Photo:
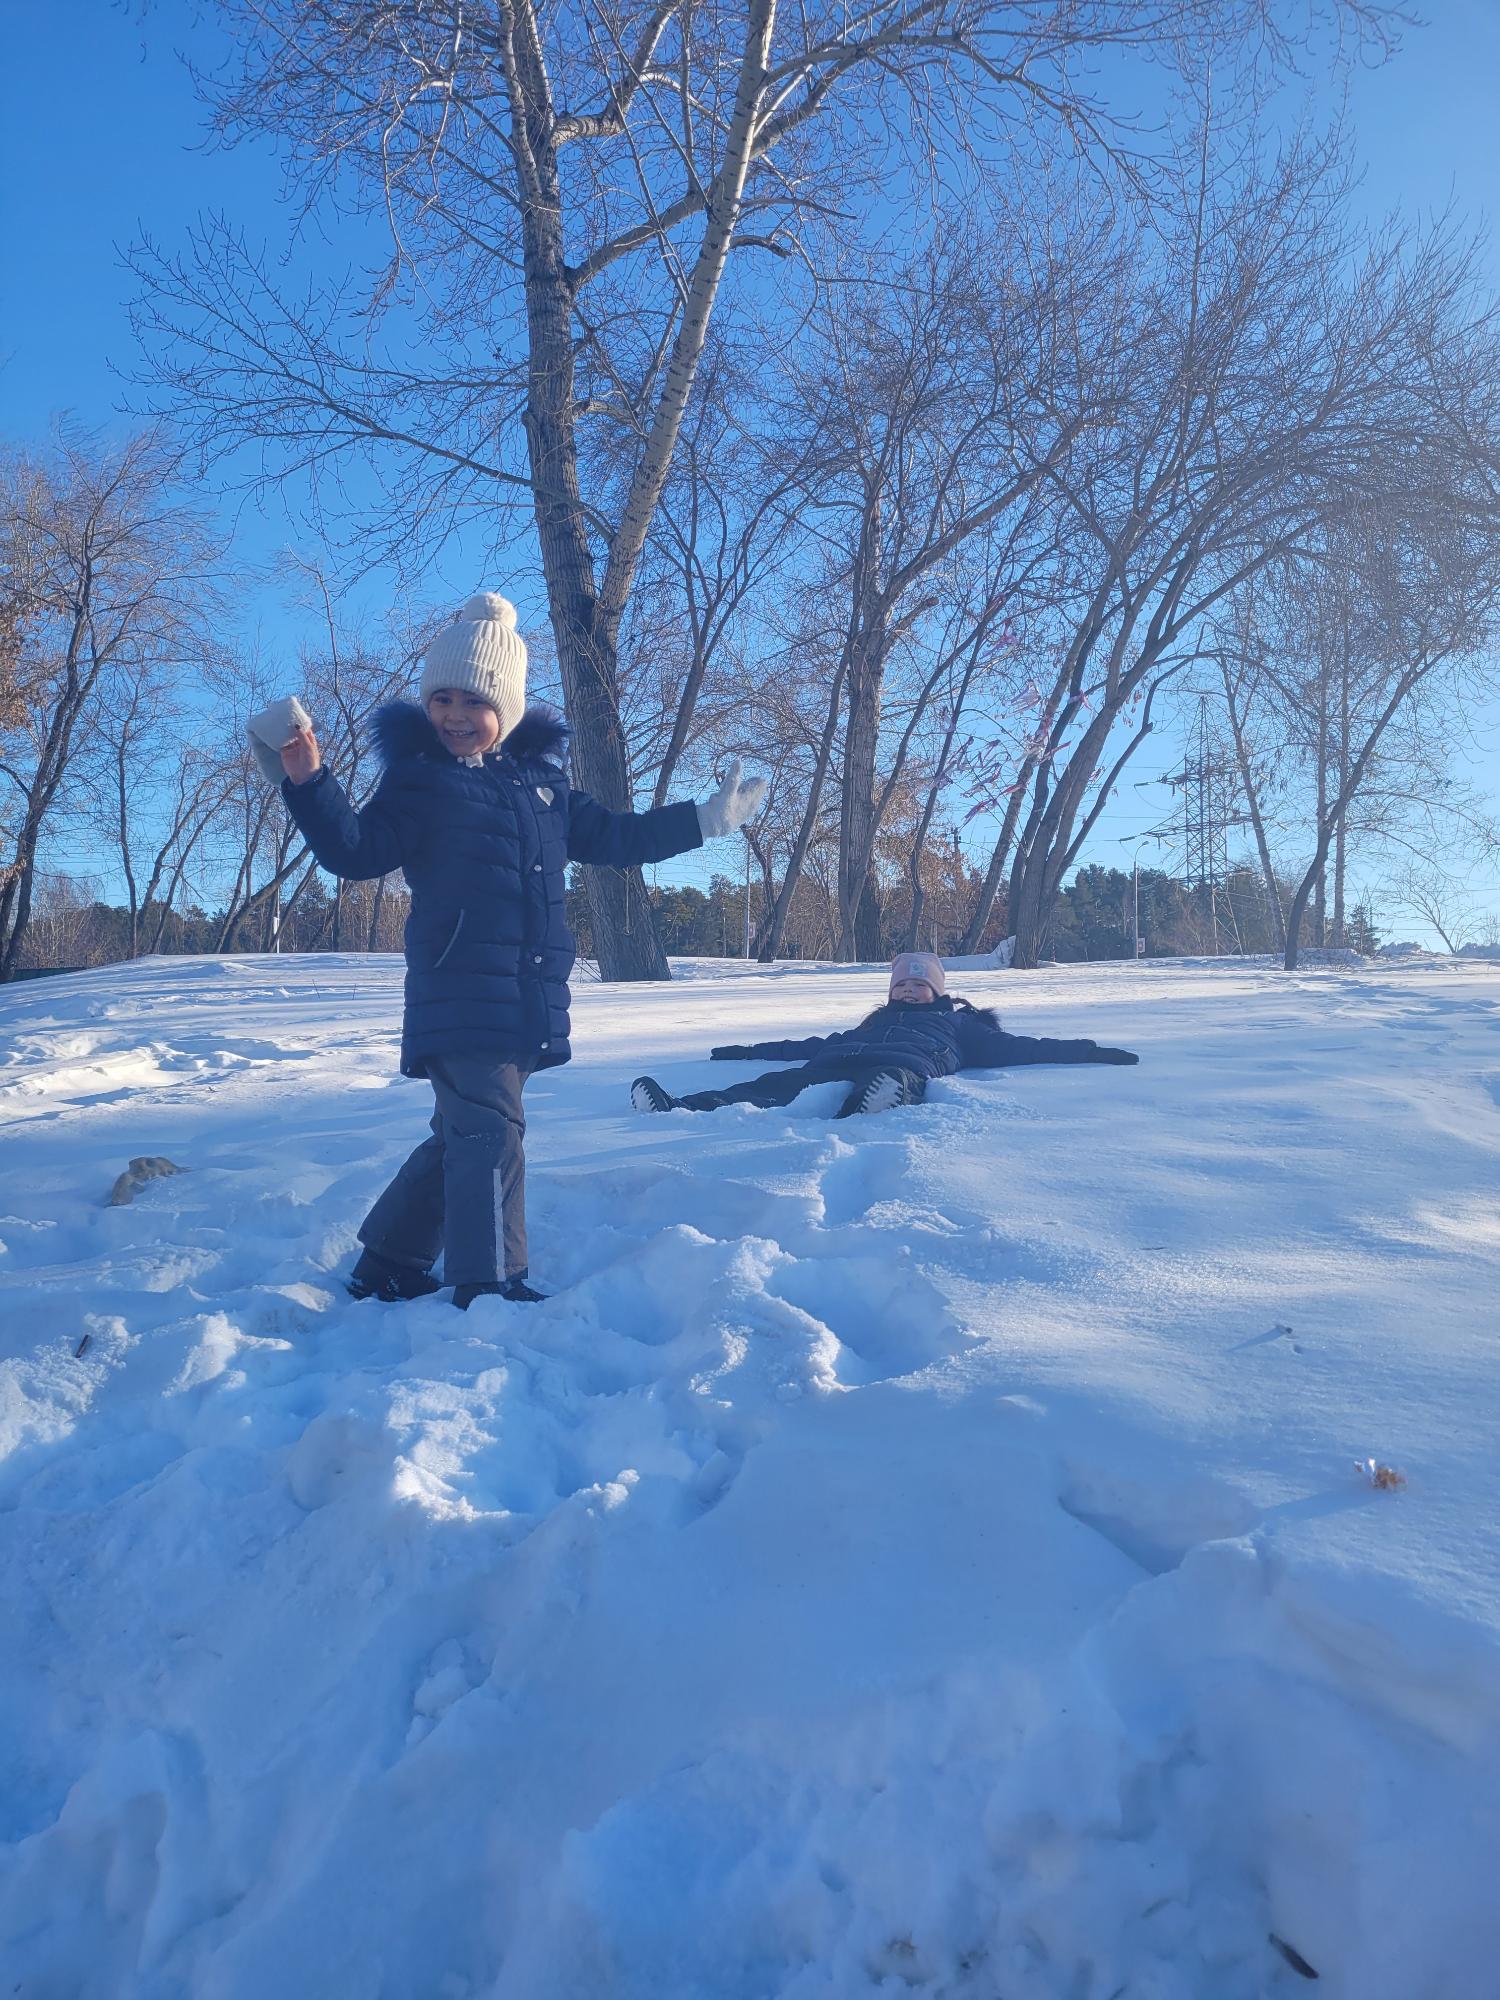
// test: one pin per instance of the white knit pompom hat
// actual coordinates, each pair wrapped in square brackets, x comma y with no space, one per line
[481,653]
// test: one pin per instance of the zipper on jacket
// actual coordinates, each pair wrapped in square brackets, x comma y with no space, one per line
[451,942]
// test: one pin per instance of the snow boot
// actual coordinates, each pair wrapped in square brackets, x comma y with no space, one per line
[515,1289]
[882,1090]
[377,1277]
[646,1094]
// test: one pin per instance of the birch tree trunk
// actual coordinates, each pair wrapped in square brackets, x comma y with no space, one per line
[770,942]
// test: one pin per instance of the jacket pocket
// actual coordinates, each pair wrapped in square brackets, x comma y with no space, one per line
[453,940]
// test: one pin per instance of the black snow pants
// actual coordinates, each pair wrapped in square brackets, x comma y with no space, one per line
[780,1086]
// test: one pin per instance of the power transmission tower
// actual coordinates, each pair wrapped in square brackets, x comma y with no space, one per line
[1210,804]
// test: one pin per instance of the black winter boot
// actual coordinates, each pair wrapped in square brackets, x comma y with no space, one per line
[377,1277]
[515,1289]
[882,1090]
[646,1094]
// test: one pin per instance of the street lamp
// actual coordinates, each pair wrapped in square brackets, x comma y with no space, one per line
[1133,841]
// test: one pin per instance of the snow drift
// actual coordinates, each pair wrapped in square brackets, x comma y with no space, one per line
[919,1556]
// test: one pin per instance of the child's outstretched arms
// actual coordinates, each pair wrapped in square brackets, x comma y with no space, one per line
[985,1047]
[1039,1049]
[624,839]
[772,1051]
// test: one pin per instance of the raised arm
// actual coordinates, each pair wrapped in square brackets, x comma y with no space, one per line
[625,840]
[359,846]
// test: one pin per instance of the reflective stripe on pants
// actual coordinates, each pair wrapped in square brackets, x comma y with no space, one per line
[462,1193]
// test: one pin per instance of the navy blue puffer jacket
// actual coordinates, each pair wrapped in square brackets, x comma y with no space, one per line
[484,849]
[929,1039]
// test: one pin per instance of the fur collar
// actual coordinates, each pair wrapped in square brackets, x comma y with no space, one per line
[986,1014]
[400,730]
[540,737]
[946,1003]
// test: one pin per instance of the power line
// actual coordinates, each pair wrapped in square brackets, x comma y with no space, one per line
[1211,803]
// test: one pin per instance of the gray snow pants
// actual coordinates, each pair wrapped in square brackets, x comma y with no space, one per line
[463,1191]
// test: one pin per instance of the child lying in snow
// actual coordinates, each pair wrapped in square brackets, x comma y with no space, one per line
[476,809]
[890,1058]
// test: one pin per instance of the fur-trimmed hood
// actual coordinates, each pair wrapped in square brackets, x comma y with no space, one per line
[400,730]
[946,1003]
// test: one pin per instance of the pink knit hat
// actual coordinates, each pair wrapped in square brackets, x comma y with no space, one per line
[923,965]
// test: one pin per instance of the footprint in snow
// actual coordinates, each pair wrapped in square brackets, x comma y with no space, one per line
[1157,1523]
[859,1178]
[337,1455]
[888,1321]
[449,1675]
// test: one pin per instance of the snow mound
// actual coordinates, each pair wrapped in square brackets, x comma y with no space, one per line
[917,1555]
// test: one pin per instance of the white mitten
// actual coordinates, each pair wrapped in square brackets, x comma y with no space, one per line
[731,805]
[267,732]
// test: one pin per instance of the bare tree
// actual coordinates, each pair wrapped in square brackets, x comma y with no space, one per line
[1296,696]
[724,531]
[1267,383]
[1383,645]
[15,606]
[114,573]
[997,768]
[190,812]
[924,422]
[1242,671]
[1441,901]
[565,192]
[343,681]
[58,921]
[154,789]
[962,673]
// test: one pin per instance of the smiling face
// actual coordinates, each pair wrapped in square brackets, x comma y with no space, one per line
[466,724]
[913,992]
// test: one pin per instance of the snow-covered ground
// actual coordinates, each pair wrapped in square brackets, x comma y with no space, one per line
[914,1555]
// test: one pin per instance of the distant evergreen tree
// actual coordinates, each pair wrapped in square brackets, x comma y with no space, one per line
[1092,920]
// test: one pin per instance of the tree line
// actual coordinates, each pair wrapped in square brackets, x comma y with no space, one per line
[1101,915]
[937,523]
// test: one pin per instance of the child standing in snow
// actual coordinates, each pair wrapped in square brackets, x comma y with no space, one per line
[890,1058]
[475,808]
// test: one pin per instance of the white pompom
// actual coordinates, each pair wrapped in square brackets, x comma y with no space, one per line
[490,604]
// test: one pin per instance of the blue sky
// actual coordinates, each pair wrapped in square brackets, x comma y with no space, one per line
[111,148]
